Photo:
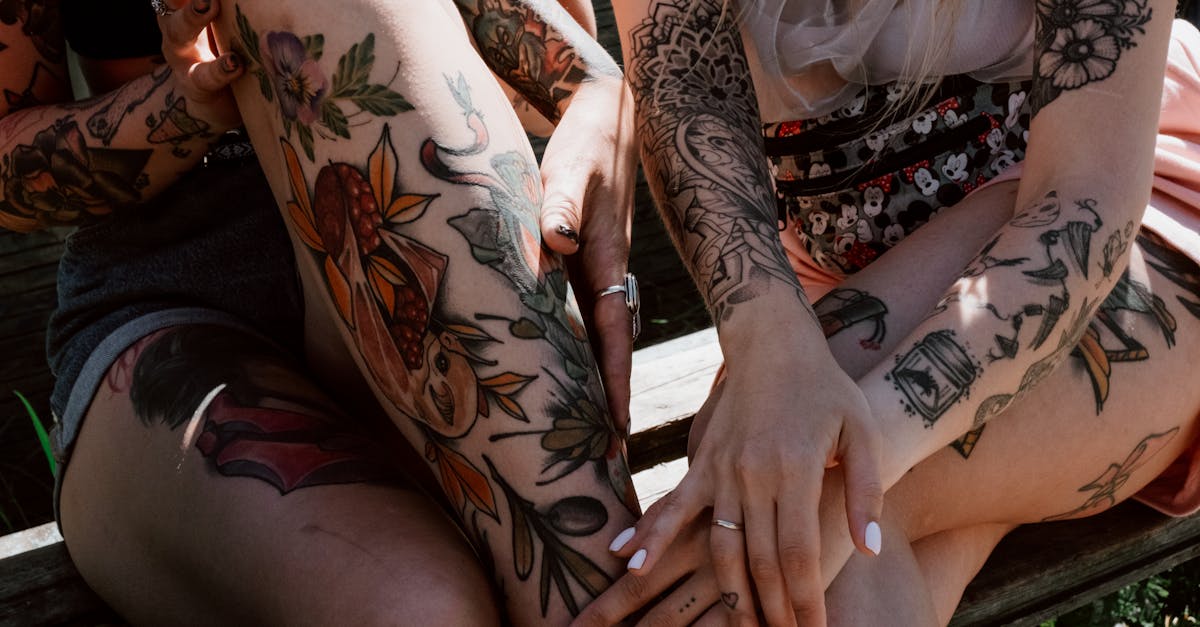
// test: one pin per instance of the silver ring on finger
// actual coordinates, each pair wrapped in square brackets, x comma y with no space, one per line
[633,299]
[728,524]
[161,8]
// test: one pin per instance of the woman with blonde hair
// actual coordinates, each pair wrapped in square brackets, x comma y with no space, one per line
[994,209]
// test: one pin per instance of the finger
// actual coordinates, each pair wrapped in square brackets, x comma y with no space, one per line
[800,547]
[864,489]
[181,28]
[565,187]
[662,523]
[714,617]
[214,76]
[728,547]
[762,557]
[686,603]
[612,324]
[629,594]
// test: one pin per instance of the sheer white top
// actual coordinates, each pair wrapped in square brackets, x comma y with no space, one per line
[809,57]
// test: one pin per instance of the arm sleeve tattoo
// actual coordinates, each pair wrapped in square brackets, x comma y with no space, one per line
[537,48]
[701,148]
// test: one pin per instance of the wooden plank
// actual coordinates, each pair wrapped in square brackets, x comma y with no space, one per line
[11,242]
[42,587]
[672,379]
[1043,570]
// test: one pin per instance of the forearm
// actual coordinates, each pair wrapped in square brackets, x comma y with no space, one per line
[702,152]
[537,48]
[1021,306]
[67,163]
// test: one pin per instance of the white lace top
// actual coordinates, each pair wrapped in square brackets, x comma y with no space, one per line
[788,43]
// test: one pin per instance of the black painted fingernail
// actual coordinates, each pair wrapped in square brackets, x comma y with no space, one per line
[231,62]
[568,233]
[201,6]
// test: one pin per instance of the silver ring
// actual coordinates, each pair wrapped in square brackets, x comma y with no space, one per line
[728,524]
[633,299]
[160,8]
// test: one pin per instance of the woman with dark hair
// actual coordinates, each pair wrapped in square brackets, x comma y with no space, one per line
[394,417]
[994,210]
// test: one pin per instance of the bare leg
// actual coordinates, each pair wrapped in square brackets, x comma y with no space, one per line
[258,502]
[1094,432]
[866,591]
[413,199]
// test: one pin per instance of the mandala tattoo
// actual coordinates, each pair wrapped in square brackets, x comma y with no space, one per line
[702,152]
[1080,41]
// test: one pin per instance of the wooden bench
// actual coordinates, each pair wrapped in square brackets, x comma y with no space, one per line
[1038,572]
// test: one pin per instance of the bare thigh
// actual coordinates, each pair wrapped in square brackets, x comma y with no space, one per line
[1099,428]
[259,502]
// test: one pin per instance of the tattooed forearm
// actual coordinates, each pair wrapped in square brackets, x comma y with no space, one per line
[69,163]
[702,150]
[537,48]
[1021,291]
[1079,42]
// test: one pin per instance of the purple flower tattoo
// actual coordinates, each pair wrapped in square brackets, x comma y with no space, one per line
[298,79]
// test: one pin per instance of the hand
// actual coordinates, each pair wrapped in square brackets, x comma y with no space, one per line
[201,77]
[768,435]
[588,173]
[694,599]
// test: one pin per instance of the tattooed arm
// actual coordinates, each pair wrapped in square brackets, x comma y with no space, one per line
[537,48]
[70,162]
[588,168]
[700,130]
[1024,302]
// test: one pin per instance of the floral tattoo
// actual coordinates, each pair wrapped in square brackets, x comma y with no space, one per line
[1080,41]
[310,101]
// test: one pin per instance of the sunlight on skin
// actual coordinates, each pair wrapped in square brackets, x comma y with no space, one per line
[974,296]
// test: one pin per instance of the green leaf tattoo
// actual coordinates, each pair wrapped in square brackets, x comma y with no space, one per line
[310,102]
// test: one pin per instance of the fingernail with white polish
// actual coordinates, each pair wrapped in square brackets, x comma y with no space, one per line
[639,558]
[874,538]
[622,539]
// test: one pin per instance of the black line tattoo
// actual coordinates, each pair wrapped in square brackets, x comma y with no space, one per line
[1096,357]
[175,126]
[1079,42]
[106,121]
[1175,266]
[702,152]
[966,444]
[843,308]
[934,375]
[1104,488]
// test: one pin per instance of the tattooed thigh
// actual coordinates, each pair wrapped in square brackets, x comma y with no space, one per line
[246,409]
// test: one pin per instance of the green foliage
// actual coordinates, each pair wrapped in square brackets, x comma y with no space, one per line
[42,436]
[1165,599]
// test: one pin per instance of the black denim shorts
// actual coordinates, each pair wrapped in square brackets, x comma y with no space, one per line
[212,249]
